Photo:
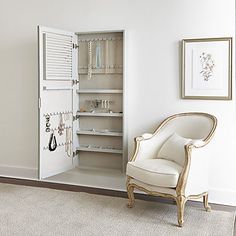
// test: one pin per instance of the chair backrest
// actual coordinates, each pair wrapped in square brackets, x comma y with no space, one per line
[191,125]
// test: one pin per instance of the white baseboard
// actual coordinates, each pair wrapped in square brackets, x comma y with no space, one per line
[18,172]
[222,196]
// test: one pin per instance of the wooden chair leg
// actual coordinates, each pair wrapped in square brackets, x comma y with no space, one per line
[130,192]
[180,201]
[205,203]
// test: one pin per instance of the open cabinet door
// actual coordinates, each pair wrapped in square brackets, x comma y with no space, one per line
[57,73]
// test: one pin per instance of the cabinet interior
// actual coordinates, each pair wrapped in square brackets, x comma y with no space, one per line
[100,96]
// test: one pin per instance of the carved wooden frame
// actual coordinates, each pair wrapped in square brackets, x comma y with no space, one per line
[180,197]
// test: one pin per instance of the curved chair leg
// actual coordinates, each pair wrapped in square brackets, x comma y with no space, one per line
[180,201]
[205,203]
[130,192]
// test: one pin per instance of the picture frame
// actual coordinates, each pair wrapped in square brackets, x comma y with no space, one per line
[207,68]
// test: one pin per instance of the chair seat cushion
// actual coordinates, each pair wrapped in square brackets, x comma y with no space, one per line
[157,172]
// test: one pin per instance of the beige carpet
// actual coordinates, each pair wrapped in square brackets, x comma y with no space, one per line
[38,211]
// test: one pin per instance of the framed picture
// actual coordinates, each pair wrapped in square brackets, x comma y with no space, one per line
[207,68]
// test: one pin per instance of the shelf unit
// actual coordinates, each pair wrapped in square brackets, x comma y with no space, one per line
[100,93]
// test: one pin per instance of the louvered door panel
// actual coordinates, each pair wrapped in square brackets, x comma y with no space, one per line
[57,68]
[58,56]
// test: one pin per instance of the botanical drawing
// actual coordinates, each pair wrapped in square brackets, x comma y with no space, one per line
[208,65]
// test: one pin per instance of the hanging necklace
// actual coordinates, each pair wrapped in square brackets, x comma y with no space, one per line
[90,58]
[68,145]
[98,56]
[61,126]
[52,143]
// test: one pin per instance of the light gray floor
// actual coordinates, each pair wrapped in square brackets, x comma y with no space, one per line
[118,194]
[40,211]
[218,208]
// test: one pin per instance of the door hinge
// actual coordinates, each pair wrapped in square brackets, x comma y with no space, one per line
[39,103]
[76,117]
[75,81]
[75,46]
[75,153]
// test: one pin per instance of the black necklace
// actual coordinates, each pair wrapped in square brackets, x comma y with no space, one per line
[52,143]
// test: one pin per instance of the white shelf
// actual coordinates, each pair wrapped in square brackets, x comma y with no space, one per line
[101,133]
[100,114]
[57,88]
[118,91]
[94,149]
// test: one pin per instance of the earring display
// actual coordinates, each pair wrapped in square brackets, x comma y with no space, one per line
[58,145]
[47,123]
[64,118]
[57,113]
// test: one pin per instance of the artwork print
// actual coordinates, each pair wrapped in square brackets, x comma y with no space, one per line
[208,64]
[206,69]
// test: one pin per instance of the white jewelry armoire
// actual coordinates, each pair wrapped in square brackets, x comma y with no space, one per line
[81,102]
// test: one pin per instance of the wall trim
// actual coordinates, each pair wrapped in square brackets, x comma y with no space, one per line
[29,177]
[19,172]
[222,196]
[113,193]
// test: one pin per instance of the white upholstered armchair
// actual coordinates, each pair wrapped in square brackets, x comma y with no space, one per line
[172,162]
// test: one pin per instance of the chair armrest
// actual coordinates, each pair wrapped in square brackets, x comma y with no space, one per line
[194,177]
[197,143]
[146,135]
[146,146]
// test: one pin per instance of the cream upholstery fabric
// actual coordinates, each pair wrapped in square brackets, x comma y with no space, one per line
[173,149]
[157,172]
[195,127]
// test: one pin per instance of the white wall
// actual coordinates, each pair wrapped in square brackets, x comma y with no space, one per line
[154,28]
